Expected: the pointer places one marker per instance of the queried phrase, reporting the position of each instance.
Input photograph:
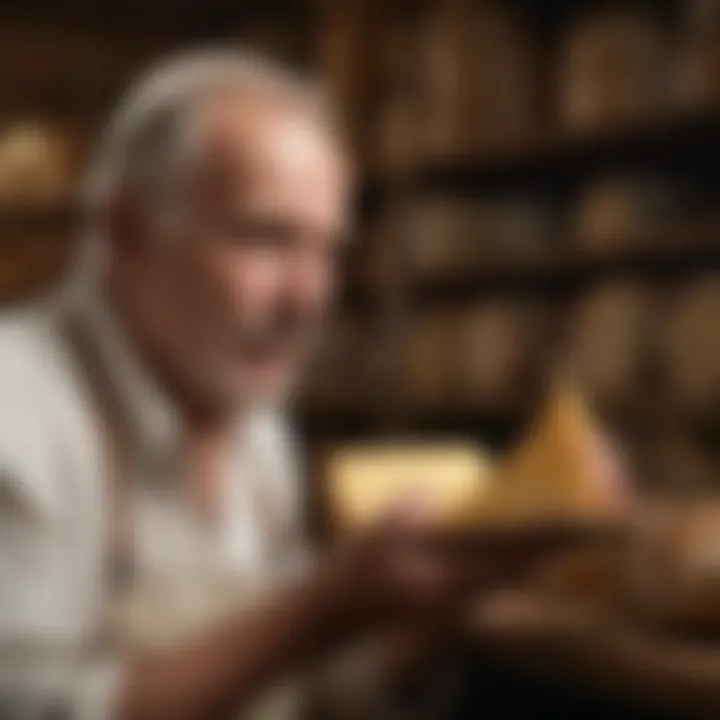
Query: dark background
(539, 195)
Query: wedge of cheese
(365, 482)
(564, 469)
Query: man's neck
(196, 410)
(208, 443)
(208, 428)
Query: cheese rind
(367, 482)
(565, 468)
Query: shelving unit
(684, 142)
(564, 274)
(680, 140)
(23, 220)
(551, 165)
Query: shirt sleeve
(46, 666)
(284, 496)
(355, 684)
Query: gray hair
(139, 145)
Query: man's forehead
(254, 132)
(270, 156)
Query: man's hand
(394, 573)
(402, 569)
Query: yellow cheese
(563, 469)
(366, 482)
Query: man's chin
(263, 387)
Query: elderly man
(146, 476)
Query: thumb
(416, 509)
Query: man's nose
(309, 283)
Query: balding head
(147, 142)
(222, 190)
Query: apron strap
(282, 531)
(110, 421)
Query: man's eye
(258, 234)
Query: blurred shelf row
(451, 235)
(40, 161)
(632, 344)
(452, 78)
(675, 141)
(645, 354)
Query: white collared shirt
(55, 509)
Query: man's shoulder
(273, 447)
(273, 433)
(32, 356)
(39, 412)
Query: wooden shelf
(496, 429)
(688, 139)
(565, 274)
(345, 421)
(589, 654)
(35, 251)
(216, 17)
(336, 421)
(23, 220)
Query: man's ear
(126, 220)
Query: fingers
(413, 513)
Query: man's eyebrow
(265, 222)
(346, 238)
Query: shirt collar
(153, 422)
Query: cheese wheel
(344, 29)
(366, 482)
(499, 358)
(698, 74)
(449, 234)
(616, 213)
(521, 230)
(348, 71)
(393, 101)
(477, 77)
(456, 234)
(397, 48)
(37, 164)
(692, 350)
(672, 575)
(612, 346)
(396, 136)
(430, 377)
(611, 69)
(374, 261)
